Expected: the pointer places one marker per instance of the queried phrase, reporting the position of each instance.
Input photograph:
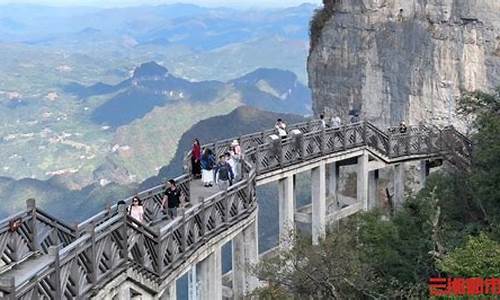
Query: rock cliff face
(404, 59)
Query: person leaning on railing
(136, 210)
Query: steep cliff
(403, 59)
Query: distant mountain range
(197, 27)
(73, 205)
(151, 85)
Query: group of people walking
(222, 172)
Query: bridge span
(112, 256)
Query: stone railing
(108, 244)
(105, 245)
(29, 232)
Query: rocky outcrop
(404, 59)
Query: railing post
(183, 230)
(257, 159)
(160, 266)
(122, 209)
(407, 137)
(31, 208)
(93, 254)
(54, 252)
(344, 134)
(202, 218)
(322, 138)
(225, 201)
(364, 133)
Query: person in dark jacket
(195, 159)
(207, 167)
(223, 174)
(172, 198)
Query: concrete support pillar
(192, 284)
(171, 292)
(286, 210)
(373, 189)
(362, 181)
(399, 185)
(332, 177)
(318, 193)
(209, 276)
(424, 172)
(245, 254)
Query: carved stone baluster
(182, 230)
(344, 137)
(56, 281)
(159, 265)
(322, 141)
(93, 255)
(226, 207)
(122, 209)
(257, 159)
(203, 225)
(364, 134)
(31, 208)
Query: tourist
(236, 148)
(172, 198)
(207, 168)
(323, 122)
(136, 210)
(232, 163)
(402, 127)
(281, 128)
(336, 122)
(223, 174)
(355, 116)
(236, 155)
(195, 159)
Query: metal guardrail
(98, 249)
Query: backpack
(224, 172)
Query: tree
(479, 257)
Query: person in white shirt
(323, 122)
(236, 157)
(281, 128)
(136, 210)
(336, 122)
(232, 162)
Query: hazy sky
(115, 3)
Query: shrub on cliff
(319, 19)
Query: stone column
(170, 292)
(399, 185)
(373, 189)
(332, 176)
(192, 284)
(318, 193)
(286, 210)
(424, 172)
(245, 254)
(209, 276)
(362, 181)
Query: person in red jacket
(195, 159)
